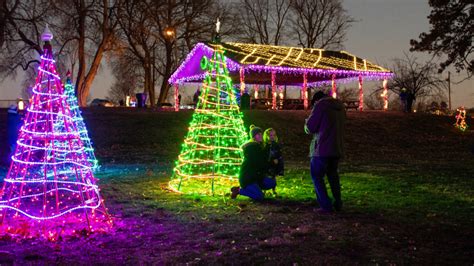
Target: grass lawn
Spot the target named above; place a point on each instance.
(407, 186)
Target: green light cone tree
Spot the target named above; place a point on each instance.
(210, 158)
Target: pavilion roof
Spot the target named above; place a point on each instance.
(312, 58)
(289, 63)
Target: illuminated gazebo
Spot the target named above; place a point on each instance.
(257, 64)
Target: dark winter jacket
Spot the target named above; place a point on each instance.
(326, 123)
(14, 125)
(273, 151)
(254, 166)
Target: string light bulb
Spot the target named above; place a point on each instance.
(50, 190)
(211, 156)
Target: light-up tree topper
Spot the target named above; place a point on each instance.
(50, 189)
(79, 121)
(211, 156)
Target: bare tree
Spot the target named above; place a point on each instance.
(419, 79)
(138, 30)
(129, 74)
(103, 22)
(320, 23)
(347, 94)
(85, 27)
(179, 25)
(88, 27)
(21, 25)
(263, 21)
(372, 101)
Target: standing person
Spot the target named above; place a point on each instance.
(272, 148)
(13, 127)
(196, 97)
(252, 177)
(410, 98)
(245, 101)
(326, 123)
(403, 99)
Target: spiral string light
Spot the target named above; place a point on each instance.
(384, 94)
(79, 122)
(211, 156)
(361, 94)
(50, 190)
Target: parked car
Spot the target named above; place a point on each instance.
(102, 103)
(165, 105)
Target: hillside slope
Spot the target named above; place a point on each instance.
(144, 136)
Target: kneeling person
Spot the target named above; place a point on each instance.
(252, 177)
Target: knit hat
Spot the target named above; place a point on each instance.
(318, 96)
(255, 130)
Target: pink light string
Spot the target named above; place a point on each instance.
(385, 95)
(50, 189)
(274, 91)
(361, 95)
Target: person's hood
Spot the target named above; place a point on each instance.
(12, 109)
(331, 103)
(250, 143)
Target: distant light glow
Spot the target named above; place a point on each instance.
(361, 94)
(385, 95)
(461, 119)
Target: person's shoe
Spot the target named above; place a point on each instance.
(235, 191)
(323, 211)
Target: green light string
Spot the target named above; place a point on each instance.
(211, 156)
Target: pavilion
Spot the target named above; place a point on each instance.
(258, 64)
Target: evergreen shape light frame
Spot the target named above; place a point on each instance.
(50, 190)
(211, 155)
(79, 122)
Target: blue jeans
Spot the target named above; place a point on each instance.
(321, 166)
(254, 191)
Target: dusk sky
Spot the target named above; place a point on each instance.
(383, 32)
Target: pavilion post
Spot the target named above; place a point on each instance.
(176, 97)
(242, 80)
(281, 95)
(334, 89)
(361, 94)
(274, 91)
(305, 90)
(385, 94)
(255, 88)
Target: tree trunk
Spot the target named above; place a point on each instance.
(166, 75)
(81, 54)
(84, 81)
(86, 84)
(149, 78)
(149, 83)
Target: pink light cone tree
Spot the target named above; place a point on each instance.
(50, 189)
